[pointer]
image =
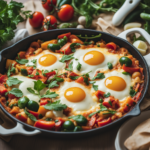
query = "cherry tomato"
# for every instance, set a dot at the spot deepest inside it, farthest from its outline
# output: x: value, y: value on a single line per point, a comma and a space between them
x: 36, y: 19
x: 49, y: 4
x: 50, y: 22
x: 66, y: 12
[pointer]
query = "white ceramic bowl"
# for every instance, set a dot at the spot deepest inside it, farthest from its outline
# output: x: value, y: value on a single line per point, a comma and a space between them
x: 127, y: 128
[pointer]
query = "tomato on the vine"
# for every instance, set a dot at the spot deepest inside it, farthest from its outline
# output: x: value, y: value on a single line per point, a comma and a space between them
x: 49, y: 4
x: 66, y: 12
x: 50, y: 22
x: 36, y: 19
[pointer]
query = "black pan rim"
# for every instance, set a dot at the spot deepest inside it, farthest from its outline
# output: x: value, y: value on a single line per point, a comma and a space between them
x: 129, y: 114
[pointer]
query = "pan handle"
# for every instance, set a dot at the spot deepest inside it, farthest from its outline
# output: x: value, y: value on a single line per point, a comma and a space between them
x: 18, y: 129
x: 141, y: 31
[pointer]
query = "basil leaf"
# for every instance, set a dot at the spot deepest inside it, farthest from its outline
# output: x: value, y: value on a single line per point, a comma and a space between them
x: 22, y: 61
x: 34, y: 61
x: 32, y: 117
x: 55, y: 106
x: 132, y: 92
x: 66, y: 58
x: 99, y: 76
x: 39, y: 85
x: 79, y: 66
x: 13, y: 81
x: 107, y: 95
x: 53, y: 84
x: 50, y: 95
x: 110, y: 66
x: 126, y: 73
x: 70, y: 67
x: 73, y: 45
x: 16, y: 92
x: 32, y: 91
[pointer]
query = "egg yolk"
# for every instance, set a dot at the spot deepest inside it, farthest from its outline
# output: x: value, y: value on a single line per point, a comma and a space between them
x: 47, y: 60
x: 74, y: 94
x: 115, y: 83
x: 93, y: 58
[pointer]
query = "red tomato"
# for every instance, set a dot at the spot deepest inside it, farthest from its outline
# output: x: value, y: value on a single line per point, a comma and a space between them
x: 49, y: 4
x: 111, y: 45
x: 66, y: 12
x: 36, y: 19
x: 50, y: 22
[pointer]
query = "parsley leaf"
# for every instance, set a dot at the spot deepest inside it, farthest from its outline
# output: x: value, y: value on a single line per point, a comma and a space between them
x: 11, y: 69
x: 32, y: 117
x: 22, y: 61
x: 107, y: 95
x: 90, y: 115
x: 74, y: 77
x: 99, y: 76
x: 66, y: 58
x: 126, y: 73
x: 44, y: 72
x: 39, y: 85
x: 79, y: 66
x: 73, y: 45
x: 55, y: 106
x: 34, y: 61
x: 95, y: 87
x: 110, y: 66
x: 58, y: 79
x: 70, y: 67
x: 13, y: 81
x: 132, y: 92
x: 53, y: 84
x: 50, y: 95
x: 32, y: 91
x: 16, y: 92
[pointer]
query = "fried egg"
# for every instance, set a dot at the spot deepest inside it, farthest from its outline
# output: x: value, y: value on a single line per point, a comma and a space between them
x: 93, y: 59
x: 47, y: 61
x: 77, y: 97
x: 27, y: 82
x: 116, y: 83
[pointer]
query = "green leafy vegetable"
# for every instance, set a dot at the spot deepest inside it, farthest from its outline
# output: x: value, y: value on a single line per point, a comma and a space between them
x: 34, y: 61
x: 107, y: 95
x: 53, y: 84
x: 11, y: 69
x: 50, y: 95
x: 70, y: 67
x: 139, y: 38
x: 32, y: 117
x: 74, y: 77
x: 31, y: 90
x: 110, y: 66
x: 16, y: 92
x: 99, y: 76
x: 81, y: 120
x: 79, y: 66
x: 73, y: 46
x: 66, y: 58
x: 95, y: 87
x: 87, y: 37
x: 132, y: 92
x: 90, y: 115
x: 39, y: 85
x: 126, y: 73
x: 55, y: 106
x: 22, y: 61
x: 13, y: 81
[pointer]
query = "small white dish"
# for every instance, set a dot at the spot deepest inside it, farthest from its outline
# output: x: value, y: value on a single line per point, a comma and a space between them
x: 127, y: 129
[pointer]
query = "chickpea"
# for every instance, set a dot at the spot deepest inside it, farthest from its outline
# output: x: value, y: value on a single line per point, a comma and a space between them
x: 136, y: 74
x: 49, y: 114
x: 30, y: 122
x: 137, y: 80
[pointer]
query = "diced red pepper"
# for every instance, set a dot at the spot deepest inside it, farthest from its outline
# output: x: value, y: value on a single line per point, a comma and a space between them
x: 3, y: 89
x: 59, y: 124
x: 111, y: 45
x: 104, y: 122
x: 137, y: 96
x: 99, y: 94
x: 50, y: 73
x: 29, y: 70
x: 126, y: 108
x: 86, y: 128
x: 11, y: 96
x: 21, y: 117
x: 80, y: 80
x: 73, y: 74
x: 3, y: 78
x: 36, y: 114
x: 92, y: 121
x: 65, y: 34
x: 44, y: 101
x: 47, y: 125
x: 130, y: 69
x: 66, y: 49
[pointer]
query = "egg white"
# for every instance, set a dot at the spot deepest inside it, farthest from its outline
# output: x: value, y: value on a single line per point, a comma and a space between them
x: 88, y: 103
x: 27, y: 82
x: 121, y: 95
x: 79, y: 54
x: 57, y: 65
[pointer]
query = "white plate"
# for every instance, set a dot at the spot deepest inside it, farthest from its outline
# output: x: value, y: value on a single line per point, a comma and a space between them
x: 127, y: 128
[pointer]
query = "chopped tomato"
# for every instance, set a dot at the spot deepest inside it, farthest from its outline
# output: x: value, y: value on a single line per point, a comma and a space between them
x: 48, y: 125
x: 104, y: 122
x: 111, y: 102
x: 65, y: 34
x: 50, y: 73
x: 11, y: 96
x: 86, y: 128
x: 73, y: 74
x: 3, y: 78
x: 66, y: 49
x: 130, y: 69
x: 58, y: 124
x: 22, y: 54
x: 92, y: 121
x: 74, y: 39
x: 99, y: 94
x: 21, y: 117
x: 137, y: 87
x: 80, y: 80
x: 3, y: 89
x: 126, y: 108
x: 137, y: 96
x: 29, y: 70
x: 111, y: 45
x: 44, y: 101
x: 36, y: 114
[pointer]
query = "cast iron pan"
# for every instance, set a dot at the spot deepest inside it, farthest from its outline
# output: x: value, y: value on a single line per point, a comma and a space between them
x: 11, y: 53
